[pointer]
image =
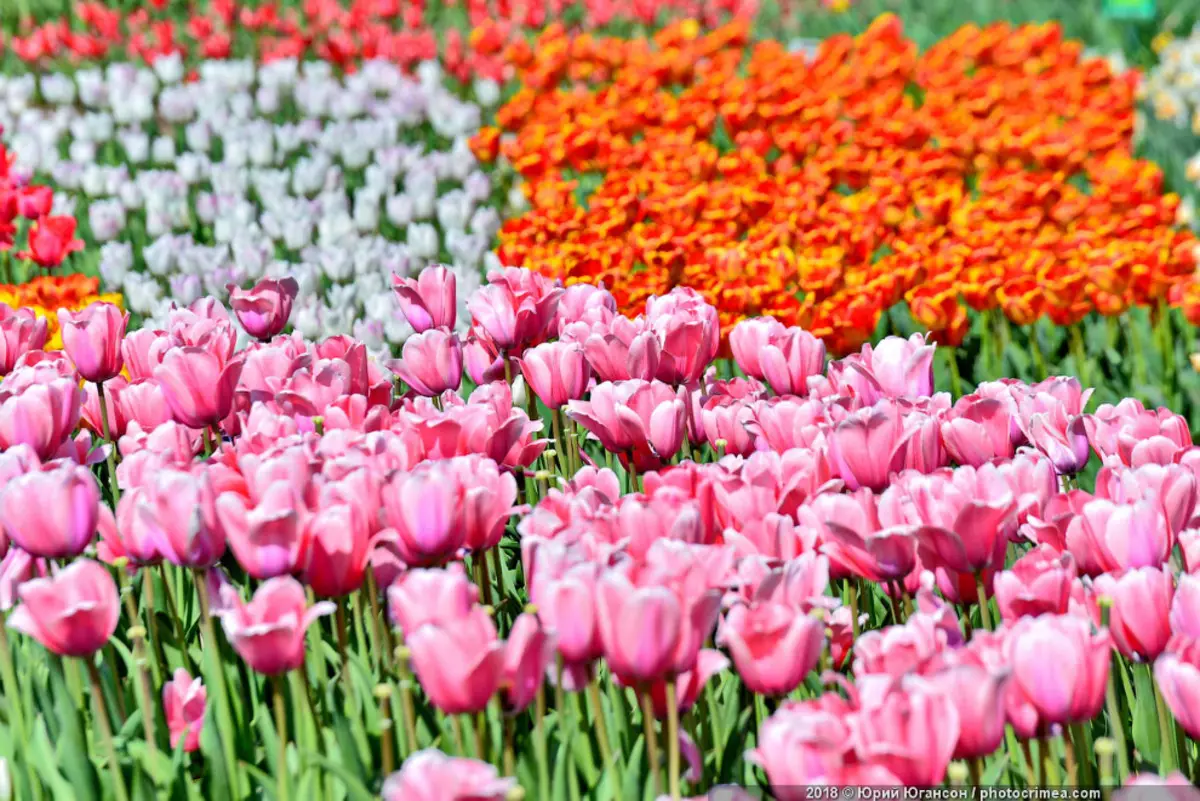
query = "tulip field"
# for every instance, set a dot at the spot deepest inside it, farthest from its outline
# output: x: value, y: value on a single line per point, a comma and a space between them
x: 599, y: 400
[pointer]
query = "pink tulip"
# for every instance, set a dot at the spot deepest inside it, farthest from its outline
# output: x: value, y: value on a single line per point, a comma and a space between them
x: 640, y: 627
x: 1174, y: 787
x: 92, y: 339
x: 1109, y: 537
x: 790, y: 359
x: 430, y: 362
x: 1178, y: 678
x: 438, y: 597
x: 978, y: 695
x: 853, y: 539
x: 515, y: 308
x: 143, y: 350
x: 865, y: 447
x: 895, y: 368
x: 425, y: 507
x: 1038, y: 583
x: 909, y: 727
x: 1185, y: 608
x: 749, y: 339
x: 619, y: 350
x: 489, y: 498
x: 21, y: 331
x: 460, y: 665
x: 198, y: 386
x: 73, y: 612
x: 39, y: 415
x: 482, y: 366
x: 1062, y: 438
x: 269, y: 631
x: 184, y: 702
x: 430, y: 300
x: 978, y: 431
x: 173, y: 511
x: 567, y: 607
x: 645, y: 418
x: 339, y: 546
x: 264, y: 309
x: 557, y: 372
x: 1141, y: 602
x: 773, y: 648
x: 1174, y: 487
x: 897, y: 650
x: 690, y: 332
x: 430, y: 775
x: 580, y: 302
x: 1060, y: 671
x: 268, y: 538
x: 528, y: 652
x: 52, y: 513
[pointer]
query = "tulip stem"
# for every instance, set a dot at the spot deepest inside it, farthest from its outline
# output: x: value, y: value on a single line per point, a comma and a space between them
x: 360, y: 629
x: 672, y: 741
x: 343, y: 652
x: 974, y: 765
x: 593, y: 692
x: 651, y: 741
x: 1049, y: 763
x: 15, y: 705
x: 281, y: 769
x: 176, y: 623
x: 111, y: 456
x: 543, y: 766
x: 138, y: 634
x: 106, y: 734
x: 498, y: 569
x: 387, y: 747
x: 216, y: 680
x: 852, y: 586
x: 406, y: 705
x: 383, y: 638
x: 985, y: 612
x: 1167, y: 761
x: 479, y: 563
x: 480, y: 726
x: 206, y: 438
x: 509, y: 754
x: 1030, y: 765
x: 1078, y: 742
x: 1115, y: 721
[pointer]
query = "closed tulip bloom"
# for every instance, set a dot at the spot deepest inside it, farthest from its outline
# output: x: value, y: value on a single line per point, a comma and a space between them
x: 21, y: 331
x: 1062, y: 438
x: 51, y: 239
x: 52, y: 513
x: 264, y: 309
x: 528, y: 651
x: 1141, y: 604
x: 198, y: 385
x: 1178, y: 678
x: 621, y: 350
x: 1060, y: 671
x: 895, y: 368
x: 689, y: 329
x: 184, y: 703
x: 1038, y: 583
x: 143, y: 350
x: 556, y: 372
x: 1106, y: 536
x: 865, y: 447
x: 39, y: 415
x: 583, y: 302
x: 773, y: 647
x: 268, y: 538
x: 979, y: 430
x: 339, y: 546
x: 73, y: 612
x: 268, y: 633
x: 643, y: 417
x: 748, y: 340
x: 488, y: 501
x: 967, y: 516
x: 173, y: 511
x: 425, y: 508
x: 978, y: 695
x: 789, y: 359
x: 640, y: 628
x: 92, y: 339
x: 567, y: 606
x: 1185, y: 607
x: 430, y: 362
x: 430, y: 775
x: 460, y: 665
x: 910, y: 728
x: 515, y: 308
x: 430, y: 300
x: 438, y: 597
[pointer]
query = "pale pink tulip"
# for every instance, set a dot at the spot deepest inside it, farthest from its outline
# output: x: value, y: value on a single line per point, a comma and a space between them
x: 21, y: 331
x: 430, y: 775
x: 269, y: 631
x: 430, y: 363
x: 73, y: 612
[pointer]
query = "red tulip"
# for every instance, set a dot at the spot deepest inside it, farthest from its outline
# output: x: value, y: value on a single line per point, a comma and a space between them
x: 269, y: 631
x: 73, y: 612
x: 92, y: 339
x: 51, y: 239
x: 35, y: 201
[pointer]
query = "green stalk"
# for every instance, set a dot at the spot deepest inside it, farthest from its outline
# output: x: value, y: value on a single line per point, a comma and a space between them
x: 216, y: 680
x: 543, y: 766
x: 111, y: 458
x: 387, y: 747
x: 1049, y: 764
x: 383, y: 635
x: 651, y: 740
x: 16, y: 708
x: 593, y: 693
x: 406, y: 704
x: 985, y: 613
x: 281, y: 769
x: 1167, y: 759
x: 340, y: 624
x: 853, y: 587
x: 176, y: 623
x: 672, y: 741
x: 1112, y: 704
x: 138, y: 634
x: 1079, y: 741
x: 106, y: 734
x: 152, y: 620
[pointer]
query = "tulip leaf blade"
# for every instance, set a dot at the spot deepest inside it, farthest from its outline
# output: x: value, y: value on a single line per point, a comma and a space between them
x: 1145, y: 716
x: 220, y: 782
x: 45, y: 762
x: 70, y: 744
x: 355, y: 789
x: 635, y: 770
x: 157, y: 765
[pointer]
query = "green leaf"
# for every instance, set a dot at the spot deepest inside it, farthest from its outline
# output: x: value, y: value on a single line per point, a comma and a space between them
x: 355, y: 789
x: 71, y: 747
x: 45, y: 762
x: 157, y: 765
x: 635, y: 770
x: 220, y: 784
x: 1145, y: 715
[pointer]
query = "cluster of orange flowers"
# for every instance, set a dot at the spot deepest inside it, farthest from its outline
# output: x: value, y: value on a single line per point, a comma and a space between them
x: 994, y: 170
x: 46, y: 294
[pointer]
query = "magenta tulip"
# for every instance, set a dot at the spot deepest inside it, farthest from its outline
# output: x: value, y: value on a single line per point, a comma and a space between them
x: 264, y: 309
x: 184, y: 703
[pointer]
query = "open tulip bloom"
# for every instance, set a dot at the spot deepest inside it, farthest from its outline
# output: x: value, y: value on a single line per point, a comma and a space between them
x: 443, y: 449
